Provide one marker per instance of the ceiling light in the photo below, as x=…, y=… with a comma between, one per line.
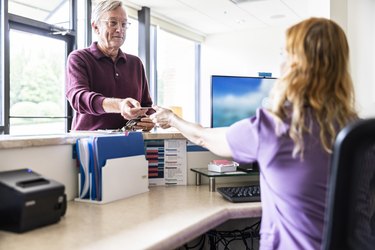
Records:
x=240, y=21
x=277, y=16
x=244, y=1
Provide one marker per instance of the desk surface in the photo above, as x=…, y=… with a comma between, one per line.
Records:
x=164, y=218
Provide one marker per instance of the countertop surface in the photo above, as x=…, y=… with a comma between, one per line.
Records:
x=15, y=141
x=166, y=217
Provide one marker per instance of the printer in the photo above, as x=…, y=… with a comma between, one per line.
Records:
x=28, y=201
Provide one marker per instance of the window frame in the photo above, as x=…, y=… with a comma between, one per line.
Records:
x=11, y=21
x=38, y=28
x=4, y=74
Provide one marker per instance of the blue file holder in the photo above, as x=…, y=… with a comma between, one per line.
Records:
x=117, y=168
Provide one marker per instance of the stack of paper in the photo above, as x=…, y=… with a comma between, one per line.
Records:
x=222, y=166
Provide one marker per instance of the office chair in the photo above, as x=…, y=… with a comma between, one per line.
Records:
x=350, y=213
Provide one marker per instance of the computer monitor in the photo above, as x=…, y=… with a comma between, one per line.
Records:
x=237, y=97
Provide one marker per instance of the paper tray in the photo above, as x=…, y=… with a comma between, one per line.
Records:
x=122, y=178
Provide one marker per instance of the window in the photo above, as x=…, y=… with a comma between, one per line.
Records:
x=36, y=41
x=176, y=74
x=83, y=25
x=130, y=45
x=37, y=75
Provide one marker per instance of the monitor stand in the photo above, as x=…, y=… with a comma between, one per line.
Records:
x=248, y=167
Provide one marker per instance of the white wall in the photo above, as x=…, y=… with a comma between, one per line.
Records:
x=245, y=53
x=248, y=52
x=242, y=53
x=361, y=36
x=358, y=20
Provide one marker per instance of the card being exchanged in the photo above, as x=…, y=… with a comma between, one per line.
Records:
x=145, y=108
x=141, y=111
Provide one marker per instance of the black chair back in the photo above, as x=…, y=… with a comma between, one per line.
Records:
x=350, y=214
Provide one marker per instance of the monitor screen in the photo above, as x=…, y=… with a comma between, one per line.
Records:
x=237, y=97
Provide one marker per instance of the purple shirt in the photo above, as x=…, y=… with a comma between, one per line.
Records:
x=293, y=190
x=92, y=76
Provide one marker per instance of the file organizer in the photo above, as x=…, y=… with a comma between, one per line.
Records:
x=112, y=167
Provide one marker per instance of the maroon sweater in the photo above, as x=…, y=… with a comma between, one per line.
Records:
x=92, y=76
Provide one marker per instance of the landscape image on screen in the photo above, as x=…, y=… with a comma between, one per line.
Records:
x=234, y=98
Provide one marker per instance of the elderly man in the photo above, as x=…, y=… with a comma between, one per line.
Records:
x=105, y=86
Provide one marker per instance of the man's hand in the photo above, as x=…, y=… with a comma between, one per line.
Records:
x=131, y=109
x=145, y=124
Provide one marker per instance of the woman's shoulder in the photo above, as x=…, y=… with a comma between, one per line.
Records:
x=270, y=121
x=265, y=116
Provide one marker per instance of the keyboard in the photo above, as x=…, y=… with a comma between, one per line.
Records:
x=248, y=193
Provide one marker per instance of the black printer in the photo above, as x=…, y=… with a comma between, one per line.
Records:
x=28, y=201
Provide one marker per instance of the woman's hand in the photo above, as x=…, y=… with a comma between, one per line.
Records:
x=162, y=117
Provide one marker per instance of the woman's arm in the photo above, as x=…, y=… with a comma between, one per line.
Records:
x=214, y=139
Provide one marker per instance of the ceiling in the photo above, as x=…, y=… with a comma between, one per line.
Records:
x=216, y=16
x=204, y=17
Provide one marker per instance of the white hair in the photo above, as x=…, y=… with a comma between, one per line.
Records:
x=104, y=6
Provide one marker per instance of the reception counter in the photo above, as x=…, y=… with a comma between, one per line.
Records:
x=163, y=218
x=53, y=157
x=166, y=217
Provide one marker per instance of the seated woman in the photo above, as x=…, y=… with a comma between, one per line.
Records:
x=291, y=140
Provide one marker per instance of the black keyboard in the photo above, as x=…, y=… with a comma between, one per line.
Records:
x=248, y=193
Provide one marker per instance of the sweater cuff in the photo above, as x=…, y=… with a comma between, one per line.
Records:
x=97, y=104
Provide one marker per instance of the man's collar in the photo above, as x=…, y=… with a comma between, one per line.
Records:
x=98, y=54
